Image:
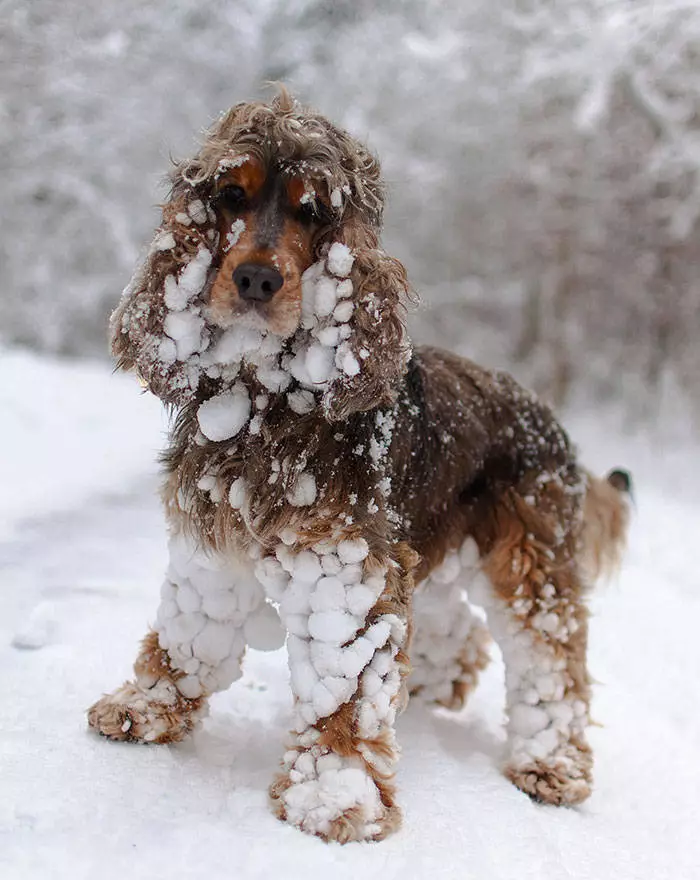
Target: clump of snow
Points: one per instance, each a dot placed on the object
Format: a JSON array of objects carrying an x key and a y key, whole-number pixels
[
  {"x": 303, "y": 493},
  {"x": 190, "y": 282},
  {"x": 324, "y": 604},
  {"x": 223, "y": 416},
  {"x": 343, "y": 312},
  {"x": 163, "y": 241},
  {"x": 340, "y": 260},
  {"x": 211, "y": 484},
  {"x": 327, "y": 355},
  {"x": 197, "y": 211},
  {"x": 319, "y": 365},
  {"x": 326, "y": 787},
  {"x": 229, "y": 162},
  {"x": 543, "y": 715},
  {"x": 446, "y": 631},
  {"x": 325, "y": 297},
  {"x": 238, "y": 493},
  {"x": 353, "y": 550},
  {"x": 234, "y": 234},
  {"x": 211, "y": 607},
  {"x": 185, "y": 330},
  {"x": 348, "y": 363},
  {"x": 301, "y": 402},
  {"x": 380, "y": 442}
]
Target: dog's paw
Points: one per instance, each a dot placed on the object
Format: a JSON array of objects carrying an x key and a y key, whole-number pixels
[
  {"x": 564, "y": 779},
  {"x": 159, "y": 714},
  {"x": 333, "y": 798}
]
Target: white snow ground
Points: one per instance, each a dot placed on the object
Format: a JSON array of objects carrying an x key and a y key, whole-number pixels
[{"x": 81, "y": 556}]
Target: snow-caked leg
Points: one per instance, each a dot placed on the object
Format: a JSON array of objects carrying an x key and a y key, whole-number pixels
[
  {"x": 450, "y": 644},
  {"x": 347, "y": 613},
  {"x": 211, "y": 608},
  {"x": 532, "y": 593}
]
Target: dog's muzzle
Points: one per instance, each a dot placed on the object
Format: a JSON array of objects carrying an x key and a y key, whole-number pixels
[{"x": 257, "y": 283}]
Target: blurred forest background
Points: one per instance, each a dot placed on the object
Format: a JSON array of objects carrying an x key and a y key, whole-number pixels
[{"x": 543, "y": 160}]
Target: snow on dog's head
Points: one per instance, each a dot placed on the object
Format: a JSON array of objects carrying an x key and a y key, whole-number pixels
[{"x": 268, "y": 257}]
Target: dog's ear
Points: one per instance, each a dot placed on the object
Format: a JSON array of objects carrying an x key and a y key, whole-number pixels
[
  {"x": 378, "y": 341},
  {"x": 157, "y": 328}
]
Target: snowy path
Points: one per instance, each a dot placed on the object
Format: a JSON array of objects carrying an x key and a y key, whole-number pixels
[{"x": 77, "y": 592}]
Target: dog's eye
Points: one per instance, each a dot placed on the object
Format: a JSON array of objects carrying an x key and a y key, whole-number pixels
[
  {"x": 231, "y": 197},
  {"x": 313, "y": 211}
]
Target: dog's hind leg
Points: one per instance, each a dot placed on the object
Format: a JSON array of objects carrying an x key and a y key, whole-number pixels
[
  {"x": 348, "y": 614},
  {"x": 532, "y": 591},
  {"x": 210, "y": 609},
  {"x": 450, "y": 644}
]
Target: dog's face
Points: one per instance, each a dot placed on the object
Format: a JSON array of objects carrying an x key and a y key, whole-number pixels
[
  {"x": 267, "y": 221},
  {"x": 274, "y": 191}
]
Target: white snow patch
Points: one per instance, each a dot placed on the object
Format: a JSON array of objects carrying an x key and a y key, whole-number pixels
[
  {"x": 211, "y": 607},
  {"x": 78, "y": 427},
  {"x": 223, "y": 416},
  {"x": 303, "y": 492},
  {"x": 234, "y": 234},
  {"x": 190, "y": 282},
  {"x": 37, "y": 629},
  {"x": 163, "y": 241},
  {"x": 238, "y": 493},
  {"x": 339, "y": 260}
]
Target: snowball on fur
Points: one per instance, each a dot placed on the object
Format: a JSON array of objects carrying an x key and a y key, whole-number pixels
[
  {"x": 339, "y": 260},
  {"x": 351, "y": 551},
  {"x": 222, "y": 417},
  {"x": 325, "y": 298},
  {"x": 304, "y": 491},
  {"x": 238, "y": 493},
  {"x": 319, "y": 364}
]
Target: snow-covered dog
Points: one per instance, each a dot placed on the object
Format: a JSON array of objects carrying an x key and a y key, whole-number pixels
[{"x": 321, "y": 472}]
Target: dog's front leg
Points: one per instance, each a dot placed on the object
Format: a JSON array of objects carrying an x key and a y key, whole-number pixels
[
  {"x": 211, "y": 607},
  {"x": 347, "y": 612}
]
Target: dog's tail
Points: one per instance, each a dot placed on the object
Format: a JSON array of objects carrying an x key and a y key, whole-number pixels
[{"x": 606, "y": 516}]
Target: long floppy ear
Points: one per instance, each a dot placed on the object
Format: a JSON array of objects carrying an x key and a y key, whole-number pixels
[
  {"x": 157, "y": 329},
  {"x": 378, "y": 341}
]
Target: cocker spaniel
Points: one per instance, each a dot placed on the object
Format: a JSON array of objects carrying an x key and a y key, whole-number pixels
[{"x": 326, "y": 481}]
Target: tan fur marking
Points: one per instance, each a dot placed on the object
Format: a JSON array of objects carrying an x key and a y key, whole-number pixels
[{"x": 250, "y": 176}]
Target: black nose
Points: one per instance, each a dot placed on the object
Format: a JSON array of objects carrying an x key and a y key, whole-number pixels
[{"x": 257, "y": 283}]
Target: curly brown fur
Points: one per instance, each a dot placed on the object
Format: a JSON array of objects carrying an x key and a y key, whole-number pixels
[
  {"x": 296, "y": 142},
  {"x": 433, "y": 466}
]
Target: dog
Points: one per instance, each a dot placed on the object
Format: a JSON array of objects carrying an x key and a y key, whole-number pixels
[{"x": 326, "y": 483}]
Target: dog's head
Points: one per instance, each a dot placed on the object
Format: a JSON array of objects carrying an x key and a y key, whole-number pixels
[{"x": 276, "y": 198}]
